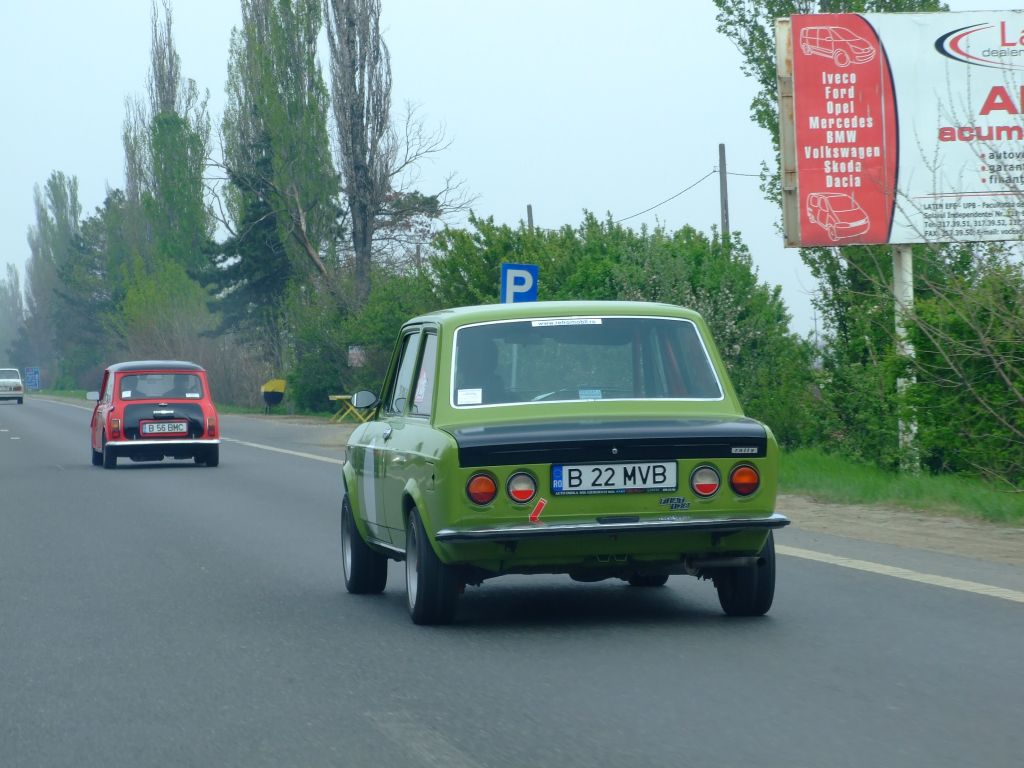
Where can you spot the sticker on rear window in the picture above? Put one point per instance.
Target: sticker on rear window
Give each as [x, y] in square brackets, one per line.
[566, 321]
[469, 396]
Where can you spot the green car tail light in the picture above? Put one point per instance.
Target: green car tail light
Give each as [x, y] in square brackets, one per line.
[744, 479]
[481, 488]
[521, 487]
[705, 481]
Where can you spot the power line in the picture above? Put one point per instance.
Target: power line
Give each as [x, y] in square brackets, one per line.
[712, 172]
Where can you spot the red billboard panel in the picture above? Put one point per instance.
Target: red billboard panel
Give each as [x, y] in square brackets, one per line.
[846, 131]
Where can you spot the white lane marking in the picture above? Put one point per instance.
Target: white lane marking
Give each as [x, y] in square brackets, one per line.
[14, 437]
[903, 573]
[64, 402]
[300, 454]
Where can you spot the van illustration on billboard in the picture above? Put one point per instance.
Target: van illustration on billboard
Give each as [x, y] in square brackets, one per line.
[838, 214]
[836, 43]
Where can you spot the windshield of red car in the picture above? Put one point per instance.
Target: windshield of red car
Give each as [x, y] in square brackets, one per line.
[573, 358]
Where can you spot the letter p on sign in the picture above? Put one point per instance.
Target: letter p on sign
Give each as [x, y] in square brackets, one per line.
[519, 282]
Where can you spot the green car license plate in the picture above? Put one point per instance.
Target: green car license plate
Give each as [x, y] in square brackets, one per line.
[580, 479]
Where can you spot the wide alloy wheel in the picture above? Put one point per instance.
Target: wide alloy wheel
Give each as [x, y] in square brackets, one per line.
[749, 591]
[366, 571]
[432, 587]
[109, 457]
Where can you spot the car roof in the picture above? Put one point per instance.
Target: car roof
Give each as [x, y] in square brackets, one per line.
[483, 313]
[154, 365]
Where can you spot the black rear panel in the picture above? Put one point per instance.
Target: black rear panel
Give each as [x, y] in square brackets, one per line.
[137, 412]
[620, 440]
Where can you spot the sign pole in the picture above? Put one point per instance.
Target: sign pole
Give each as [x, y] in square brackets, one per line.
[903, 302]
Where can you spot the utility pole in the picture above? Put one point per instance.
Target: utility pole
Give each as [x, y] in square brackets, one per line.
[529, 218]
[723, 187]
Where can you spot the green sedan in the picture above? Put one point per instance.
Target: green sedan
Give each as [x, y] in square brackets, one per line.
[597, 439]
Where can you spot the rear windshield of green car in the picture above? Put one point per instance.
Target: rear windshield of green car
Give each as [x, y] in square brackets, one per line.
[581, 358]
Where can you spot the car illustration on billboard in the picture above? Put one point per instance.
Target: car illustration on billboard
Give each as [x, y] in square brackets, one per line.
[836, 43]
[838, 214]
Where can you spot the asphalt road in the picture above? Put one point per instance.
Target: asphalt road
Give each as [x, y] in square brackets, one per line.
[174, 614]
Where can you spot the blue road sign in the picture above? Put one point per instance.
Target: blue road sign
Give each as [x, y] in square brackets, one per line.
[519, 282]
[32, 378]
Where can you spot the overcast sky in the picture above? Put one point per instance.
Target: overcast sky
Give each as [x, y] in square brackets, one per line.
[567, 105]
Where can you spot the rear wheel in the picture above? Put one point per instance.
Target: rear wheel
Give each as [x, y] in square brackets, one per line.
[97, 457]
[432, 587]
[109, 457]
[749, 591]
[366, 571]
[21, 400]
[212, 457]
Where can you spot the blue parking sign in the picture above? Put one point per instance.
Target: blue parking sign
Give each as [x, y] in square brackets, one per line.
[519, 282]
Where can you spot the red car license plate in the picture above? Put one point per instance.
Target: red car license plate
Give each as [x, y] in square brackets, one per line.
[164, 428]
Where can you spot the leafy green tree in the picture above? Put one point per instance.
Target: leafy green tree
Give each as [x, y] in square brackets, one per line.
[50, 242]
[282, 195]
[604, 260]
[969, 396]
[339, 351]
[166, 151]
[12, 310]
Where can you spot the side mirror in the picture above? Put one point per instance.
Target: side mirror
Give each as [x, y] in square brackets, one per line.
[94, 396]
[364, 398]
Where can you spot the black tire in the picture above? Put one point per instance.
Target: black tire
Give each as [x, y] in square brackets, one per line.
[431, 587]
[97, 457]
[20, 401]
[109, 457]
[366, 571]
[648, 580]
[212, 456]
[749, 591]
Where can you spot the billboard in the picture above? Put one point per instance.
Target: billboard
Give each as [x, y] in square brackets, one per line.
[901, 128]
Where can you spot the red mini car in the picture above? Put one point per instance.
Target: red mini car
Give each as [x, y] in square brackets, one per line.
[154, 409]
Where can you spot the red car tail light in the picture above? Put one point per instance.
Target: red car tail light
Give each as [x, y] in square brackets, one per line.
[481, 488]
[211, 427]
[744, 479]
[521, 487]
[115, 428]
[705, 481]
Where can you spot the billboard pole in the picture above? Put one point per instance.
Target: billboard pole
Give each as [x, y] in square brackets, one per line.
[903, 302]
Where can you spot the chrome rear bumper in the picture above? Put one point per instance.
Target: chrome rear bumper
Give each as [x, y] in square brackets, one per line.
[613, 525]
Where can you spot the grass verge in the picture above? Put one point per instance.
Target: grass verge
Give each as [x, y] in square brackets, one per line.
[830, 478]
